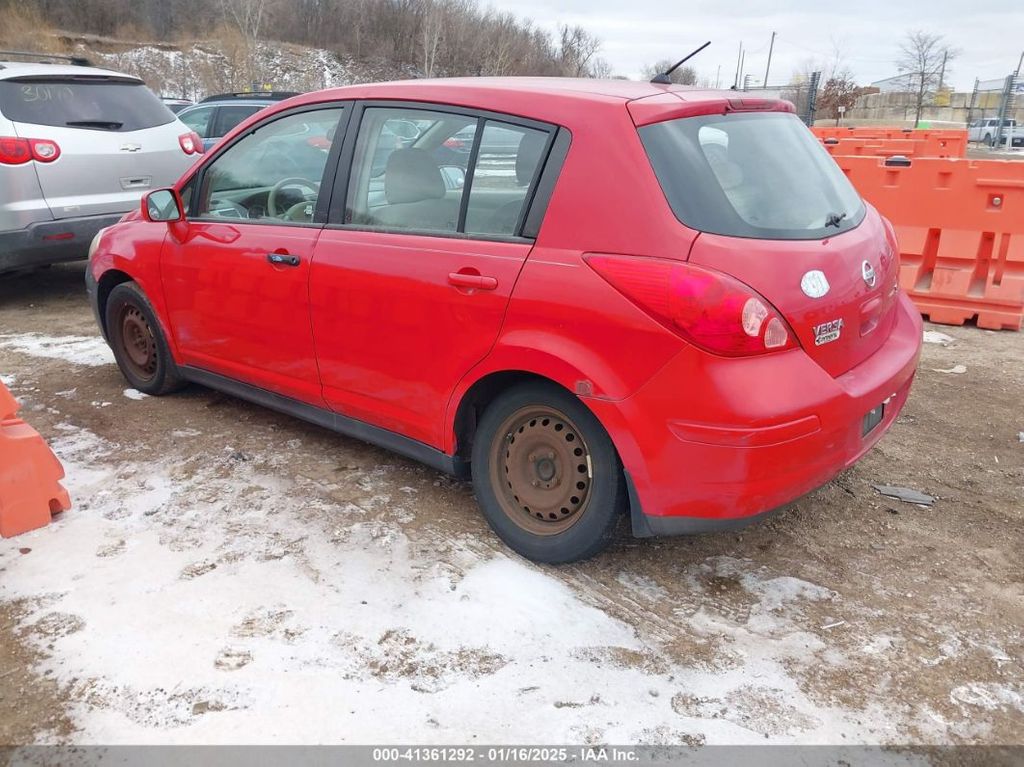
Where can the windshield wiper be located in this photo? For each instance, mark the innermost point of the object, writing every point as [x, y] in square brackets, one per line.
[101, 124]
[833, 219]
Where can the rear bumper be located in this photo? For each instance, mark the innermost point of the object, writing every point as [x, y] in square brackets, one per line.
[50, 242]
[714, 443]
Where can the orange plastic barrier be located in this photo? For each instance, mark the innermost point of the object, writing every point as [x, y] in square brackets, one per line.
[886, 142]
[30, 474]
[885, 147]
[960, 224]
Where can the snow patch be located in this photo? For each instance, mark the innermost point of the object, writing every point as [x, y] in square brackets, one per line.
[78, 350]
[134, 394]
[935, 337]
[218, 598]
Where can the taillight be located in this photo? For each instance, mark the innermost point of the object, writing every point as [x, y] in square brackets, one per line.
[18, 151]
[713, 310]
[190, 143]
[44, 150]
[453, 143]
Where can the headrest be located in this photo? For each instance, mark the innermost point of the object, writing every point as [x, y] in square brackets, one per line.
[530, 149]
[412, 175]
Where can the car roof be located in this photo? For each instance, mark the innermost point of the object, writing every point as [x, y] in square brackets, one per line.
[577, 88]
[540, 98]
[9, 69]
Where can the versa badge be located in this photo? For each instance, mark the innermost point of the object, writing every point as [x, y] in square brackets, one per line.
[827, 332]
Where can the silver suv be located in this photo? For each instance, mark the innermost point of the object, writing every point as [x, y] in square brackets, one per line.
[78, 148]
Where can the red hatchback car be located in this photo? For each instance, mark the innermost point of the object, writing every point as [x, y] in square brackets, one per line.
[600, 298]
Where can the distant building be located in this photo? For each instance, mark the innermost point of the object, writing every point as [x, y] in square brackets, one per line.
[897, 84]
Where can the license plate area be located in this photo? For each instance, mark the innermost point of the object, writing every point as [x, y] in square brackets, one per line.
[872, 419]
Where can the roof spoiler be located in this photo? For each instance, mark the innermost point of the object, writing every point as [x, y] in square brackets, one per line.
[47, 58]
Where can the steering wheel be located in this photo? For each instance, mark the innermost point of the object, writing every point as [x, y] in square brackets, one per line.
[300, 183]
[300, 211]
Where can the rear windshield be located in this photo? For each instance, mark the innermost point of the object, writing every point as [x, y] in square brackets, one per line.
[82, 102]
[751, 175]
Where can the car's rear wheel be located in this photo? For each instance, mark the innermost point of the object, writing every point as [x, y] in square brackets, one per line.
[989, 141]
[546, 474]
[138, 343]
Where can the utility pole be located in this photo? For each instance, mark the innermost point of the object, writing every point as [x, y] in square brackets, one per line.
[942, 71]
[718, 77]
[743, 61]
[736, 77]
[771, 46]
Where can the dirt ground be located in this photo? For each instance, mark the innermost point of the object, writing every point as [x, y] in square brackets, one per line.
[229, 574]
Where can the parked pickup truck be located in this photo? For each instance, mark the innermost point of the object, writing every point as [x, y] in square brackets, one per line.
[985, 131]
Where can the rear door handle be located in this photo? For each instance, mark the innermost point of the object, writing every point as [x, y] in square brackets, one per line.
[478, 281]
[282, 259]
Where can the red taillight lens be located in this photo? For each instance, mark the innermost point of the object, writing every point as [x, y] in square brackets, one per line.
[713, 310]
[18, 151]
[14, 151]
[191, 143]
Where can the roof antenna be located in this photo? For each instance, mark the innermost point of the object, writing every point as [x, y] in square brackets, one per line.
[664, 79]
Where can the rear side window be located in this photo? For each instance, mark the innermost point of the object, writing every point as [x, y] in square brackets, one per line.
[198, 120]
[90, 103]
[762, 176]
[228, 117]
[443, 173]
[508, 162]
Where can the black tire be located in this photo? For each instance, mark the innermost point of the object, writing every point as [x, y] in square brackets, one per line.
[989, 141]
[575, 503]
[138, 342]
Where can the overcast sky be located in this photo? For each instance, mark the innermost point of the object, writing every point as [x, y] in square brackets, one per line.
[990, 35]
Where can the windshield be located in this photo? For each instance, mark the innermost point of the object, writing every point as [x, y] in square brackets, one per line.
[89, 103]
[751, 175]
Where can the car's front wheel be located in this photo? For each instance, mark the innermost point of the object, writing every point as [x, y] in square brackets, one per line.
[546, 474]
[138, 343]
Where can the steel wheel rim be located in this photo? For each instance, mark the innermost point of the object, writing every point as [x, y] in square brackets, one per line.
[542, 471]
[138, 343]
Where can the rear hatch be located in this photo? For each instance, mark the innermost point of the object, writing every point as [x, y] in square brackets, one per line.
[116, 139]
[777, 213]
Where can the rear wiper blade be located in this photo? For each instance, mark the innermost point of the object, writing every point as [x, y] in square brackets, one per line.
[833, 219]
[101, 124]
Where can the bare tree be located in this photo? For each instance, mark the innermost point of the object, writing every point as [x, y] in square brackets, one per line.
[923, 58]
[381, 38]
[431, 34]
[685, 75]
[601, 69]
[577, 49]
[247, 16]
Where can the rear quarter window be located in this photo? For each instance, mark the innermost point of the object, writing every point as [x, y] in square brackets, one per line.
[760, 176]
[89, 103]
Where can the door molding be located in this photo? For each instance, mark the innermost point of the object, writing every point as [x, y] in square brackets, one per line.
[328, 419]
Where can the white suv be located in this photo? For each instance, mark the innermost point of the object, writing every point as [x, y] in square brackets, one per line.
[78, 148]
[985, 131]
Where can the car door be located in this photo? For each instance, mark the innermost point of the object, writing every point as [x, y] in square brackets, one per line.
[236, 272]
[411, 278]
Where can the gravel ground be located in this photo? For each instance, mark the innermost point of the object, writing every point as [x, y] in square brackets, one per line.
[228, 574]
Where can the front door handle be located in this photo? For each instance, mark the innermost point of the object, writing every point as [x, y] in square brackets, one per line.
[282, 259]
[477, 281]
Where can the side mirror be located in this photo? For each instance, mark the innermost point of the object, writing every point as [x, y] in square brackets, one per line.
[162, 205]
